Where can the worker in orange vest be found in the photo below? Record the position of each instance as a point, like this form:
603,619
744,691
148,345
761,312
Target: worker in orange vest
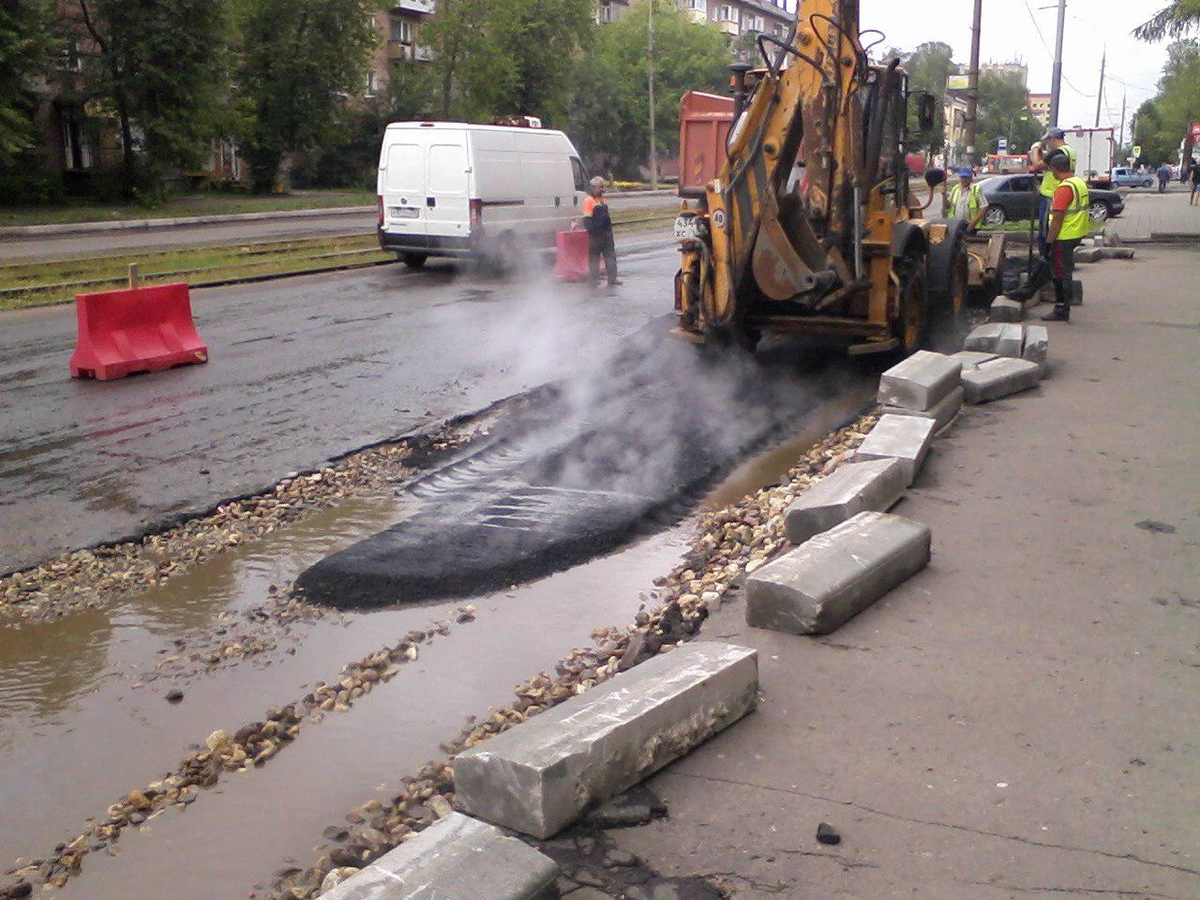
598,224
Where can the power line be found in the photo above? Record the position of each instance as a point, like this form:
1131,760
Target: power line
1050,52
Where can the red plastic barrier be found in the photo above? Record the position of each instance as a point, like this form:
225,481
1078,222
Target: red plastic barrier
571,260
136,330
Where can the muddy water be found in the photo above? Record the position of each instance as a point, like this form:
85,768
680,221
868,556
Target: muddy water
76,733
768,467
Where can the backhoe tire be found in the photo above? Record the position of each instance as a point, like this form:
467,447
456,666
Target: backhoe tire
912,323
949,272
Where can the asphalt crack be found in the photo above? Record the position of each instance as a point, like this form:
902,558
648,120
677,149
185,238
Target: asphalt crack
982,832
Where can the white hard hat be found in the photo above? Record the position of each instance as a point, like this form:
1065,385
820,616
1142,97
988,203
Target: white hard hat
598,181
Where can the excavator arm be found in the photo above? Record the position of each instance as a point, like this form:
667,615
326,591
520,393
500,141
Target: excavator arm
797,231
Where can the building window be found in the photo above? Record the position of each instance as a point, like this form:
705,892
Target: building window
69,58
371,83
401,31
698,5
728,13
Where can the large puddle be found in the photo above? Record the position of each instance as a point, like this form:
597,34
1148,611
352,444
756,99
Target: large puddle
76,733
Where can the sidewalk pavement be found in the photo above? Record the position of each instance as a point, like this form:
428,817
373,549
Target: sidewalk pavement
1148,214
1022,718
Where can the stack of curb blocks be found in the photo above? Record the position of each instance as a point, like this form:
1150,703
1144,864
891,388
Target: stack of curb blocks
1003,359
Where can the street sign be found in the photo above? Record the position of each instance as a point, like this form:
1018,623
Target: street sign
1137,151
1002,145
957,83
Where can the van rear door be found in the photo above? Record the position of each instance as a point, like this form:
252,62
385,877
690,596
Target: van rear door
402,182
447,198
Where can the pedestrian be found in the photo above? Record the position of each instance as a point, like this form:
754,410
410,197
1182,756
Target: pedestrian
598,223
1164,175
966,201
1194,177
1054,140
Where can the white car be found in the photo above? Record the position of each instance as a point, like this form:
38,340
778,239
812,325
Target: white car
482,191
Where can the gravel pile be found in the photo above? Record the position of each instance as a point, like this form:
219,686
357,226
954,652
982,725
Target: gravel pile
731,543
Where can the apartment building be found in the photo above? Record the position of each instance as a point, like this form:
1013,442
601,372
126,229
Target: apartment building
1039,106
738,17
399,27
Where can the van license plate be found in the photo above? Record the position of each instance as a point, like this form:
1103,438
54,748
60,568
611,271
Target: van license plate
688,228
405,212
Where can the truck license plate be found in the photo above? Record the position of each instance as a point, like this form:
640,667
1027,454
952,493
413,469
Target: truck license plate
404,212
688,228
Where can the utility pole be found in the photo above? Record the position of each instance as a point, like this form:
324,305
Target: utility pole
1100,92
650,96
1121,136
1056,77
973,86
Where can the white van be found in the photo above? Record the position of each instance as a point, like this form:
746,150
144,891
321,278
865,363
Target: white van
485,191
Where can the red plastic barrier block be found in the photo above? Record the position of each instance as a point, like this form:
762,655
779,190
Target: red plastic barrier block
571,260
136,330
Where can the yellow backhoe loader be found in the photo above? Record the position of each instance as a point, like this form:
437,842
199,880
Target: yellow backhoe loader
810,225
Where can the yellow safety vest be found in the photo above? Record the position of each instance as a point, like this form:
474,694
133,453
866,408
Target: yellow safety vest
1050,181
1078,220
973,199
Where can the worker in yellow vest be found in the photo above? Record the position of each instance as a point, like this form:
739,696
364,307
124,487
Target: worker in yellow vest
966,200
1053,141
1068,223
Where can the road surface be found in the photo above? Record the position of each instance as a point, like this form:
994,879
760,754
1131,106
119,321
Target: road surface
72,245
302,369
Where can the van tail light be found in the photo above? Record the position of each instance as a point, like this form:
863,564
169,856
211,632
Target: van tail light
381,212
476,217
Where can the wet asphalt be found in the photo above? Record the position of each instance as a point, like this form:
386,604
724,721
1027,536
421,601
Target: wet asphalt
301,370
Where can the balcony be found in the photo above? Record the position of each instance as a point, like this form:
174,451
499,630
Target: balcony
398,51
729,28
422,53
416,6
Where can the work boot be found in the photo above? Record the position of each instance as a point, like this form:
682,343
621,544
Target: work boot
1058,314
615,282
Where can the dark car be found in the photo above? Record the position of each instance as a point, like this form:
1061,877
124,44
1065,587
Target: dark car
1012,198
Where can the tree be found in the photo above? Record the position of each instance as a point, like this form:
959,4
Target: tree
26,47
1003,111
503,57
611,111
161,66
300,59
929,68
1174,20
1177,103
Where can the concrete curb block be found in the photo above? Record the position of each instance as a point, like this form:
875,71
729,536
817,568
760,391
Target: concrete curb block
1005,310
903,438
872,485
456,858
920,382
1037,344
1088,254
999,377
178,222
539,777
942,414
1002,339
830,579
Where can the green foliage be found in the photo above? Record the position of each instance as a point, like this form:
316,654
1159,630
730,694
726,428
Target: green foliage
1163,121
506,57
928,67
299,60
611,112
26,49
162,68
1003,112
1174,20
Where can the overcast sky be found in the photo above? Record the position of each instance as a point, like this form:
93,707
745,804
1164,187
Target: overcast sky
1009,33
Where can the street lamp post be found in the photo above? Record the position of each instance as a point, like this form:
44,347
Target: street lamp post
650,95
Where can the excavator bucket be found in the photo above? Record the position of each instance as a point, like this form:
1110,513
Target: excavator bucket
779,269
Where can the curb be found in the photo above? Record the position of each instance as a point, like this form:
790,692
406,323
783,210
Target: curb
19,231
179,221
